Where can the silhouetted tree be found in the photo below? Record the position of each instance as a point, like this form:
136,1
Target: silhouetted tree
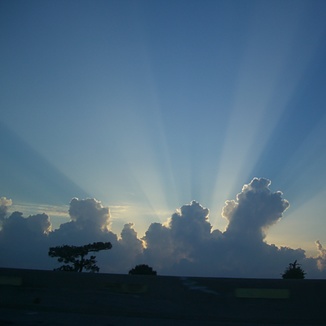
142,270
74,257
294,271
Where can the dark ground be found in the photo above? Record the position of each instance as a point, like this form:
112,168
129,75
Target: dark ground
29,297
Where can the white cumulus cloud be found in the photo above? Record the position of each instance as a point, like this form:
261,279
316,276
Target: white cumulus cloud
321,259
254,210
4,205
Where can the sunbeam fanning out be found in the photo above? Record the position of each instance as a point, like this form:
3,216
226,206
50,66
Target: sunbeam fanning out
150,105
265,88
27,176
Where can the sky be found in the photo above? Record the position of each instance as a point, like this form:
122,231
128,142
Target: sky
142,108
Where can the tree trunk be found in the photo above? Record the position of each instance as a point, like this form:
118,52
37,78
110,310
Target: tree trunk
82,261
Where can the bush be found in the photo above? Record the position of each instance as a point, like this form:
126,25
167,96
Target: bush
142,270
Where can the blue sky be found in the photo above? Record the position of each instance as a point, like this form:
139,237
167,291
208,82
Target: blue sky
148,105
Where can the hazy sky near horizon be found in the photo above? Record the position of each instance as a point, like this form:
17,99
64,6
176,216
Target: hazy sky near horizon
148,105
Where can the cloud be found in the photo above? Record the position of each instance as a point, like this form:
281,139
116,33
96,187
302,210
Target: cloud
38,225
186,244
89,213
321,259
254,210
4,205
179,239
23,241
130,240
89,222
191,222
159,250
129,250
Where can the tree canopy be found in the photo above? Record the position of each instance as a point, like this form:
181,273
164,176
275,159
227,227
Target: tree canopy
142,270
294,271
74,258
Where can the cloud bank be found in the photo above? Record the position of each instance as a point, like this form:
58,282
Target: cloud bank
185,244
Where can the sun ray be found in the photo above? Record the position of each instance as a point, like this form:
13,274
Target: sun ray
262,97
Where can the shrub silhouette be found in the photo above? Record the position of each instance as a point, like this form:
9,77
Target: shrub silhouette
294,271
142,270
74,257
